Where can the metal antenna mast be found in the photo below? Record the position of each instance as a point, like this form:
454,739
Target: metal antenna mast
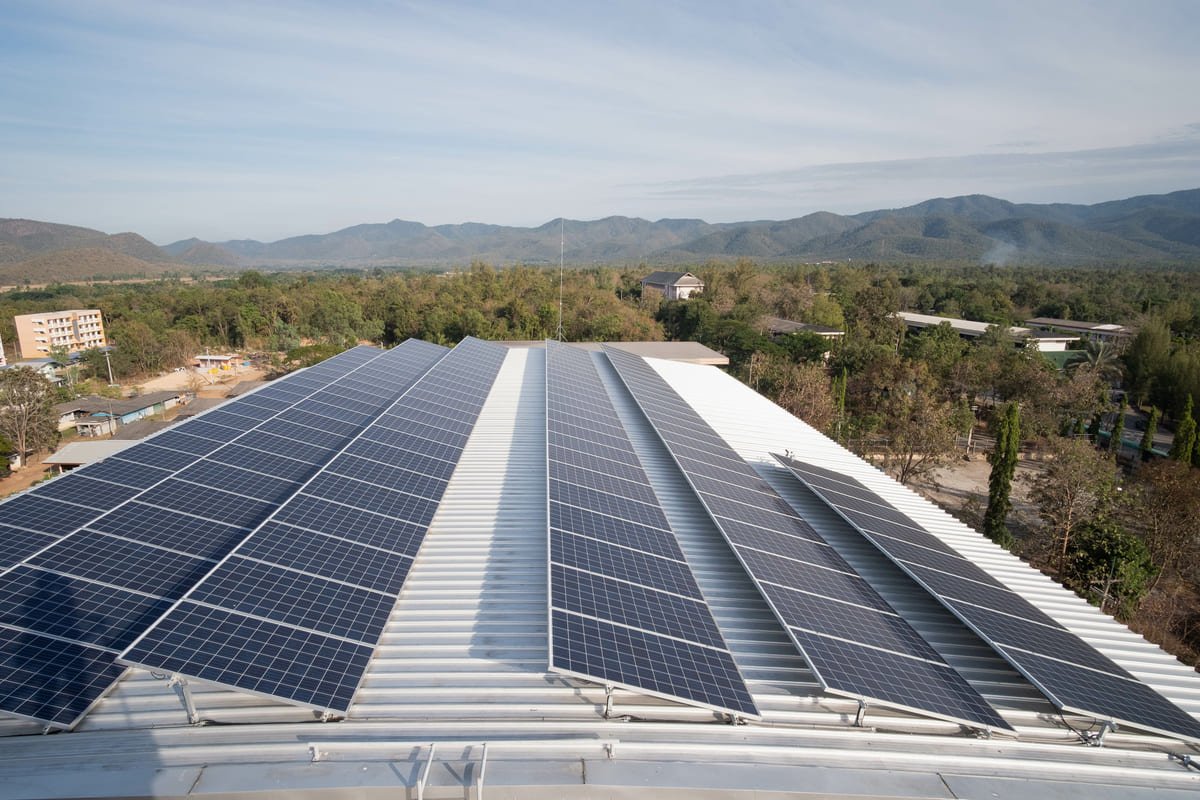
562,249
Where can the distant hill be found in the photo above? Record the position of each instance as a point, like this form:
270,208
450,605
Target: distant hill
972,228
81,263
23,238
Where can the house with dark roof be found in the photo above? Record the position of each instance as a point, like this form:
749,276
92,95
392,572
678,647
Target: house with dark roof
673,285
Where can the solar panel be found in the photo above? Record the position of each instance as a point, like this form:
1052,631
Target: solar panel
1072,674
152,522
855,643
296,609
625,607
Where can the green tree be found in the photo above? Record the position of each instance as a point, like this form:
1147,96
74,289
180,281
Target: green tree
1076,487
1147,357
1117,436
1004,465
1096,358
1147,444
27,417
1110,567
1185,435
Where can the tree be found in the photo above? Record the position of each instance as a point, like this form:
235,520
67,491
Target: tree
1147,356
27,416
1004,465
802,389
1076,487
1109,567
919,426
1185,436
1116,438
1147,445
1096,358
1163,508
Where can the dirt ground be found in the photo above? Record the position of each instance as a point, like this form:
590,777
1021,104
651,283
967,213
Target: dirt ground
184,380
962,486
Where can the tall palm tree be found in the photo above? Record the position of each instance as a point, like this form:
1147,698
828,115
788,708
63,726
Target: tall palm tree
1097,358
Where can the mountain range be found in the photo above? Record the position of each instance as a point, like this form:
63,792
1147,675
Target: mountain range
975,228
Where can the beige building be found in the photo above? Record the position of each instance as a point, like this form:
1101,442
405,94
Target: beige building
77,329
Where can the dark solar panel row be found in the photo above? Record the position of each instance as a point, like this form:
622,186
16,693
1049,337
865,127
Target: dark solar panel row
625,607
169,515
854,641
295,611
1071,673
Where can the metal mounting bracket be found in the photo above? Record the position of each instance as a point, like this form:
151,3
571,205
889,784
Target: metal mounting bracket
862,713
180,685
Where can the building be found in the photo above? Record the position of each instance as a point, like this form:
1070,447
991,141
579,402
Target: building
100,416
73,330
673,285
1045,341
1094,331
461,478
967,329
48,368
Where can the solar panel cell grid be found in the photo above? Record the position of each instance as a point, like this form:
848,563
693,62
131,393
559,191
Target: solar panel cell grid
281,445
247,458
1062,664
240,481
794,575
656,663
621,562
194,446
257,655
329,557
371,497
616,531
43,515
55,605
125,473
174,530
907,682
232,509
84,491
130,565
307,570
152,455
842,585
17,545
353,524
635,606
29,663
293,598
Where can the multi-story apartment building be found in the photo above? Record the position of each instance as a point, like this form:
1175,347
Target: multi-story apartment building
76,329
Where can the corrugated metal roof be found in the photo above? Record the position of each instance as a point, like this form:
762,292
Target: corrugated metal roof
463,662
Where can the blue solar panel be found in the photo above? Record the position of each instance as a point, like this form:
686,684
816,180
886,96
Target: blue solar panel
319,578
1071,673
621,591
827,609
162,515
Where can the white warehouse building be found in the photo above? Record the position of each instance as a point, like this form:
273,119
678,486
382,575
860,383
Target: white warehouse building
546,570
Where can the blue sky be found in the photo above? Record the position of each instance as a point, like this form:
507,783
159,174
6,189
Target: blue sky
268,119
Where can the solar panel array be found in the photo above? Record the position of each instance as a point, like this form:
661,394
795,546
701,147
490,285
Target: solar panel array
625,608
103,552
296,610
856,644
1071,673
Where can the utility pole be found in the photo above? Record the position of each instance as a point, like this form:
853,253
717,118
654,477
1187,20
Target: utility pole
108,361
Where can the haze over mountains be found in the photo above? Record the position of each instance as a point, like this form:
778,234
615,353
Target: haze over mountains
975,228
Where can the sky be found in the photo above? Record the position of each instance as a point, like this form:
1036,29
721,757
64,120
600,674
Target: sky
262,120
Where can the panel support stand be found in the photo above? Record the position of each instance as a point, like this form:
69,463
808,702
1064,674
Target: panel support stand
608,702
425,772
482,773
862,713
1097,739
180,684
